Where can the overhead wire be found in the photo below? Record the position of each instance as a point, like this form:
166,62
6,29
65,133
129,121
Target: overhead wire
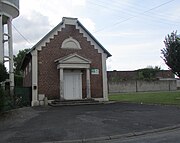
132,8
115,8
160,17
137,15
21,34
109,7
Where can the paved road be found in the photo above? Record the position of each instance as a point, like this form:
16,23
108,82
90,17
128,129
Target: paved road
171,136
46,124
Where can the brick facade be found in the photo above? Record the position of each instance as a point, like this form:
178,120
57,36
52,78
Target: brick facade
48,75
48,59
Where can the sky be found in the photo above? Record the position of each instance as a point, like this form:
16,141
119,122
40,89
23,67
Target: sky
133,31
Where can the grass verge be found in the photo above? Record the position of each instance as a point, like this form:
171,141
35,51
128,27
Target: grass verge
169,98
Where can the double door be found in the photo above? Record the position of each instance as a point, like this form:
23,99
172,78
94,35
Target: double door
72,85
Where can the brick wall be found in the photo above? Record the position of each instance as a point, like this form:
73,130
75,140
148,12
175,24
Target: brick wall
133,75
48,75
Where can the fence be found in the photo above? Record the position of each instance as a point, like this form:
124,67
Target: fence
141,86
21,97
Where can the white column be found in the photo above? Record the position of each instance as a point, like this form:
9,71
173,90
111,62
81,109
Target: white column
104,74
61,84
35,101
1,41
88,84
11,61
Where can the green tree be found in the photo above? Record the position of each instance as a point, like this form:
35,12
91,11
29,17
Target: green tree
18,61
3,73
171,52
148,73
18,75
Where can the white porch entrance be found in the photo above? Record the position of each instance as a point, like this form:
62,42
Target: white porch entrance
71,78
72,85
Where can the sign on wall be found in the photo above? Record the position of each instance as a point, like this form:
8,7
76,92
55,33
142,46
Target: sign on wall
95,71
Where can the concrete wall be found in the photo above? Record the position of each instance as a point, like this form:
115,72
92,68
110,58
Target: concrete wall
133,75
142,86
178,84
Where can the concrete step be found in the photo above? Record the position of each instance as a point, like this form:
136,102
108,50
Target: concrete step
57,103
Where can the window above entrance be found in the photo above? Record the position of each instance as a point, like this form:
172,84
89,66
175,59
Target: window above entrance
70,43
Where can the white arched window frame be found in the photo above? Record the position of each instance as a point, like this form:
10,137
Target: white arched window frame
70,43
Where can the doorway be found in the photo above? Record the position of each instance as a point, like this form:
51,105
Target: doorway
72,85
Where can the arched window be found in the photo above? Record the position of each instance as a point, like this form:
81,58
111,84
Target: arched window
70,43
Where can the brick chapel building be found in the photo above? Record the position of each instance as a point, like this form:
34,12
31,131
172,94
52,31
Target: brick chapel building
67,64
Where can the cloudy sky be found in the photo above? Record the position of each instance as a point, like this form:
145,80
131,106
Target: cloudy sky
131,30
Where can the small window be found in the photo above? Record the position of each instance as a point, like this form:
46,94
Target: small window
70,43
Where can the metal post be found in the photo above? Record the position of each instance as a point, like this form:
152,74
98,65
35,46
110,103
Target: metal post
11,61
1,41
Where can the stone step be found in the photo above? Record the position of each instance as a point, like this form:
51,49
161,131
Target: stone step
56,103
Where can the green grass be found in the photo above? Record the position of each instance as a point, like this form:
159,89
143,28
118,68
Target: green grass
169,98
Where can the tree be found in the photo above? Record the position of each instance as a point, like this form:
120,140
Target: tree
148,73
171,52
3,73
18,61
18,75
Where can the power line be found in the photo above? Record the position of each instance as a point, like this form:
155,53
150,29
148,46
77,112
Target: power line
116,5
142,13
108,8
21,34
158,6
129,8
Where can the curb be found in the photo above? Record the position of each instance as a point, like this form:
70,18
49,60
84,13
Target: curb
120,136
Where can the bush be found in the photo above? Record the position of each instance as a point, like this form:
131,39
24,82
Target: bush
148,73
6,101
3,73
1,99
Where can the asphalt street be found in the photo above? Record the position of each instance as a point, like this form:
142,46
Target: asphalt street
48,124
170,136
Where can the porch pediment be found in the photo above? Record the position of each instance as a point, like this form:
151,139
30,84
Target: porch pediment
73,61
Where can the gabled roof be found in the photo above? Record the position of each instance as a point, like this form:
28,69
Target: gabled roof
67,20
46,36
108,54
70,21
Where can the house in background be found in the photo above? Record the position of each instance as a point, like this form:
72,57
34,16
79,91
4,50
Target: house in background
67,64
